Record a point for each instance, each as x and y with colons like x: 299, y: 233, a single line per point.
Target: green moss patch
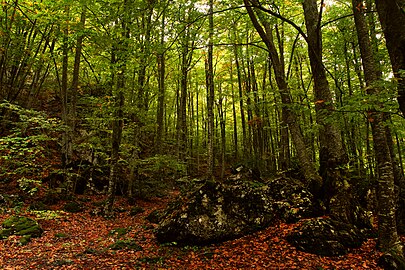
x: 119, y: 232
x: 19, y: 225
x: 125, y: 244
x: 23, y: 226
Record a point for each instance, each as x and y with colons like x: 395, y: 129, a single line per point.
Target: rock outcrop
x: 221, y: 211
x: 327, y: 237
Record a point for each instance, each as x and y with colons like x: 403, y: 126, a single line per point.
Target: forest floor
x: 82, y: 241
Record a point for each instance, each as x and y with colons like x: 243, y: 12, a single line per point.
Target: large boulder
x: 216, y: 212
x: 221, y: 211
x: 325, y: 236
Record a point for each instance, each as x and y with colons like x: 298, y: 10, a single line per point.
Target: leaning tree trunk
x: 308, y: 171
x: 387, y: 231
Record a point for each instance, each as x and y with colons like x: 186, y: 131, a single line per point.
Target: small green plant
x: 30, y: 186
x: 47, y: 214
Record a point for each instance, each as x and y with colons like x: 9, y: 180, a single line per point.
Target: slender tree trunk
x: 241, y: 103
x: 235, y: 123
x: 67, y: 136
x: 210, y: 92
x: 387, y: 231
x: 161, y: 94
x: 119, y: 60
x: 221, y: 116
x: 76, y: 72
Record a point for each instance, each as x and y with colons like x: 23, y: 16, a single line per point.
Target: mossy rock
x: 73, y: 207
x: 19, y: 225
x: 136, y: 210
x: 25, y: 239
x: 4, y: 233
x: 326, y: 237
x: 119, y: 232
x: 125, y: 244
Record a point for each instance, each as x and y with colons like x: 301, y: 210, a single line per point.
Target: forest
x: 202, y: 134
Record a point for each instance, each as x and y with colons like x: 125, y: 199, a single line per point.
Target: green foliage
x: 156, y: 174
x: 24, y: 150
x: 30, y: 186
x: 47, y: 214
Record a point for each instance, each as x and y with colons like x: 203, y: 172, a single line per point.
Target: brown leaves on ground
x: 81, y: 241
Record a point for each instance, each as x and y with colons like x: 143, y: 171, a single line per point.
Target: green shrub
x: 25, y: 150
x: 156, y: 174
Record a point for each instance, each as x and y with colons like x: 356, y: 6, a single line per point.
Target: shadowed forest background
x: 114, y: 108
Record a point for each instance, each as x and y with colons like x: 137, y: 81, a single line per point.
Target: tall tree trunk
x: 392, y: 17
x: 332, y: 155
x: 310, y: 175
x: 235, y: 123
x: 67, y: 135
x: 76, y: 73
x: 210, y: 91
x: 161, y: 86
x: 387, y: 231
x: 119, y: 60
x: 221, y: 116
x: 241, y: 103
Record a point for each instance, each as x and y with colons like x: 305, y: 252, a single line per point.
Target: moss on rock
x: 24, y: 226
x: 125, y: 244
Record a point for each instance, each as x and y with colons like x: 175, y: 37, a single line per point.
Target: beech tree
x: 307, y: 165
x: 392, y: 18
x: 387, y: 230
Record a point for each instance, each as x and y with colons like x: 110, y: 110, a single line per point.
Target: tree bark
x: 120, y: 52
x: 210, y: 91
x: 332, y: 155
x: 161, y: 87
x: 387, y: 231
x: 392, y: 17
